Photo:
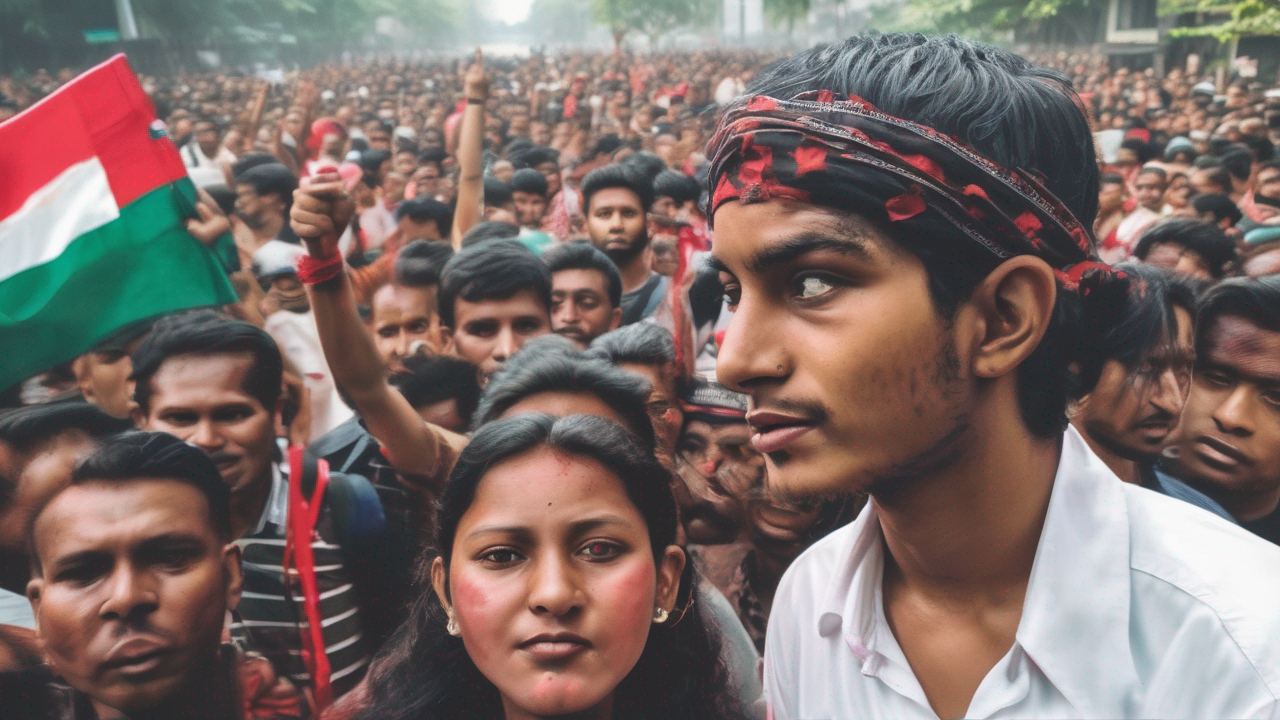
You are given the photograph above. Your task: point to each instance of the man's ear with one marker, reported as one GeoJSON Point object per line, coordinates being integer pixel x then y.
{"type": "Point", "coordinates": [235, 574]}
{"type": "Point", "coordinates": [670, 570]}
{"type": "Point", "coordinates": [1013, 305]}
{"type": "Point", "coordinates": [617, 319]}
{"type": "Point", "coordinates": [447, 345]}
{"type": "Point", "coordinates": [35, 592]}
{"type": "Point", "coordinates": [135, 413]}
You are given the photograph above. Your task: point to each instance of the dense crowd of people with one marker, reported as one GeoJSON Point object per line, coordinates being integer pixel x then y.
{"type": "Point", "coordinates": [900, 377]}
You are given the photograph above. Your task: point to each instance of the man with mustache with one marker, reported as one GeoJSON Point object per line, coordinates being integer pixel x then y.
{"type": "Point", "coordinates": [215, 383]}
{"type": "Point", "coordinates": [586, 292]}
{"type": "Point", "coordinates": [1228, 444]}
{"type": "Point", "coordinates": [1139, 370]}
{"type": "Point", "coordinates": [901, 227]}
{"type": "Point", "coordinates": [133, 572]}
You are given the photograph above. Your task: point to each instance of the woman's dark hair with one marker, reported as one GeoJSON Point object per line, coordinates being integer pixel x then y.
{"type": "Point", "coordinates": [1016, 113]}
{"type": "Point", "coordinates": [204, 333]}
{"type": "Point", "coordinates": [426, 673]}
{"type": "Point", "coordinates": [1127, 320]}
{"type": "Point", "coordinates": [1203, 238]}
{"type": "Point", "coordinates": [543, 365]}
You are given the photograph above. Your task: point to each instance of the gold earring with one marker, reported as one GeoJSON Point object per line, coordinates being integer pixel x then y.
{"type": "Point", "coordinates": [452, 626]}
{"type": "Point", "coordinates": [660, 615]}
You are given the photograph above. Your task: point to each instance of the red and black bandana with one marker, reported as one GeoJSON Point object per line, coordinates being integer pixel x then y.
{"type": "Point", "coordinates": [846, 154]}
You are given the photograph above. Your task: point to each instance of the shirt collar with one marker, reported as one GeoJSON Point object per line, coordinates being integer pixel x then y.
{"type": "Point", "coordinates": [277, 508]}
{"type": "Point", "coordinates": [1075, 618]}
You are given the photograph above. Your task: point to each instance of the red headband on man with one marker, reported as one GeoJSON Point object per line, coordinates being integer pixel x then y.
{"type": "Point", "coordinates": [844, 153]}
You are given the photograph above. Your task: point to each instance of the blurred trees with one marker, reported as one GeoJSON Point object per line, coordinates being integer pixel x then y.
{"type": "Point", "coordinates": [189, 24]}
{"type": "Point", "coordinates": [653, 18]}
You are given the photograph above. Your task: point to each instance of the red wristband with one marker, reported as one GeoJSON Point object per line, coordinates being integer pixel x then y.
{"type": "Point", "coordinates": [315, 270]}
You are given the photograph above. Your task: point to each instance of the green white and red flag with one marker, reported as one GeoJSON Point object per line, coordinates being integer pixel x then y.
{"type": "Point", "coordinates": [93, 196]}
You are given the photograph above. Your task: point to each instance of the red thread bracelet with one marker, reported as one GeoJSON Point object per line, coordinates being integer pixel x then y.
{"type": "Point", "coordinates": [315, 270]}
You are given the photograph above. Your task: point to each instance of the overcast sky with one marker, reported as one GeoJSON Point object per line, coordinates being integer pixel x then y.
{"type": "Point", "coordinates": [508, 11]}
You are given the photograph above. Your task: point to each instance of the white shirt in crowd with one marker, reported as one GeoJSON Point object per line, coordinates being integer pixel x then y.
{"type": "Point", "coordinates": [1138, 606]}
{"type": "Point", "coordinates": [299, 340]}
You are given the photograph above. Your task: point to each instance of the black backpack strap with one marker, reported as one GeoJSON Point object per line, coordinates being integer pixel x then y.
{"type": "Point", "coordinates": [377, 560]}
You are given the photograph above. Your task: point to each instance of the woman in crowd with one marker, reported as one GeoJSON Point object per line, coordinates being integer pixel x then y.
{"type": "Point", "coordinates": [558, 588]}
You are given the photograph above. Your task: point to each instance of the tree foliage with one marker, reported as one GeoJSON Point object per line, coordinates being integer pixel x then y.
{"type": "Point", "coordinates": [787, 12]}
{"type": "Point", "coordinates": [1244, 18]}
{"type": "Point", "coordinates": [984, 19]}
{"type": "Point", "coordinates": [653, 18]}
{"type": "Point", "coordinates": [201, 21]}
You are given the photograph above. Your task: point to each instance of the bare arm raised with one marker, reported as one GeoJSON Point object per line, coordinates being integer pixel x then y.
{"type": "Point", "coordinates": [320, 211]}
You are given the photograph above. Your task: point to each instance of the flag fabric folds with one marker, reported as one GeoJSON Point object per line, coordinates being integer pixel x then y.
{"type": "Point", "coordinates": [93, 196]}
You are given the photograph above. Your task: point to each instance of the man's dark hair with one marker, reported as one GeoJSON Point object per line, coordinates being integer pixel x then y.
{"type": "Point", "coordinates": [532, 157]}
{"type": "Point", "coordinates": [1254, 299]}
{"type": "Point", "coordinates": [27, 428]}
{"type": "Point", "coordinates": [1218, 175]}
{"type": "Point", "coordinates": [1126, 321]}
{"type": "Point", "coordinates": [1111, 179]}
{"type": "Point", "coordinates": [605, 145]}
{"type": "Point", "coordinates": [616, 176]}
{"type": "Point", "coordinates": [420, 263]}
{"type": "Point", "coordinates": [1269, 165]}
{"type": "Point", "coordinates": [567, 372]}
{"type": "Point", "coordinates": [1238, 160]}
{"type": "Point", "coordinates": [426, 380]}
{"type": "Point", "coordinates": [251, 160]}
{"type": "Point", "coordinates": [496, 193]}
{"type": "Point", "coordinates": [1203, 238]}
{"type": "Point", "coordinates": [204, 333]}
{"type": "Point", "coordinates": [677, 186]}
{"type": "Point", "coordinates": [1220, 205]}
{"type": "Point", "coordinates": [646, 165]}
{"type": "Point", "coordinates": [432, 156]}
{"type": "Point", "coordinates": [639, 344]}
{"type": "Point", "coordinates": [528, 180]}
{"type": "Point", "coordinates": [371, 160]}
{"type": "Point", "coordinates": [137, 455]}
{"type": "Point", "coordinates": [490, 230]}
{"type": "Point", "coordinates": [1016, 113]}
{"type": "Point", "coordinates": [1157, 171]}
{"type": "Point", "coordinates": [585, 256]}
{"type": "Point", "coordinates": [496, 270]}
{"type": "Point", "coordinates": [270, 179]}
{"type": "Point", "coordinates": [422, 209]}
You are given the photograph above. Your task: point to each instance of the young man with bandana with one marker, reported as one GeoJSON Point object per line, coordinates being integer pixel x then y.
{"type": "Point", "coordinates": [901, 224]}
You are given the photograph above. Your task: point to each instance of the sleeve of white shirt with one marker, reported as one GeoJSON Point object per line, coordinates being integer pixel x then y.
{"type": "Point", "coordinates": [782, 641]}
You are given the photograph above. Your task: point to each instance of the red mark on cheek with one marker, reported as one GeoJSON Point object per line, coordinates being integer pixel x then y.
{"type": "Point", "coordinates": [478, 609]}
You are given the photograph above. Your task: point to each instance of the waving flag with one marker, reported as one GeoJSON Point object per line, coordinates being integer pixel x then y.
{"type": "Point", "coordinates": [93, 196]}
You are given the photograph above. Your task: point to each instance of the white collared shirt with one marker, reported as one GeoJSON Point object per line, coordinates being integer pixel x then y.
{"type": "Point", "coordinates": [1138, 606]}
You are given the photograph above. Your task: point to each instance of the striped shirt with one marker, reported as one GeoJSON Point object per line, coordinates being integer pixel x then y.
{"type": "Point", "coordinates": [273, 622]}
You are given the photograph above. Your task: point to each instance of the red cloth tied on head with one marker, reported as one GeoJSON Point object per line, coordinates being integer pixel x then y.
{"type": "Point", "coordinates": [844, 153]}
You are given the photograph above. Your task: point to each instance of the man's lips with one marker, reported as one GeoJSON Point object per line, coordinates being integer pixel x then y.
{"type": "Point", "coordinates": [555, 646]}
{"type": "Point", "coordinates": [1218, 453]}
{"type": "Point", "coordinates": [775, 430]}
{"type": "Point", "coordinates": [137, 655]}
